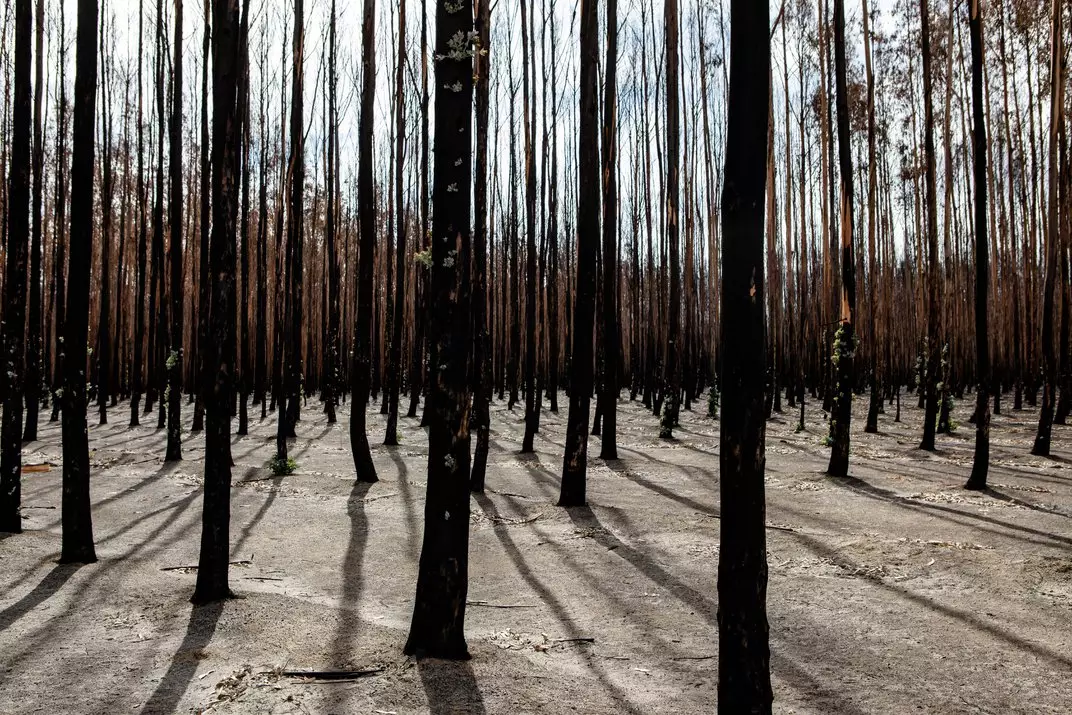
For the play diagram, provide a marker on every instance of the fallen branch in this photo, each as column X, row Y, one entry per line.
column 485, row 604
column 574, row 640
column 695, row 657
column 777, row 527
column 332, row 675
column 379, row 496
column 43, row 467
column 243, row 562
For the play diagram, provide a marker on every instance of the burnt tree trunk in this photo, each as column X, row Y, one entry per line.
column 77, row 519
column 437, row 629
column 366, row 207
column 845, row 339
column 178, row 294
column 981, row 462
column 482, row 382
column 18, row 236
column 217, row 379
column 611, row 341
column 744, row 684
column 575, row 459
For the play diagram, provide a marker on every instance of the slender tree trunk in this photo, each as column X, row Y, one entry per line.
column 33, row 337
column 77, row 520
column 871, row 425
column 178, row 294
column 289, row 402
column 845, row 340
column 744, row 684
column 361, row 372
column 672, row 368
column 217, row 380
column 437, row 629
column 142, row 241
column 330, row 378
column 394, row 368
column 981, row 461
column 18, row 238
column 933, row 351
column 203, row 247
column 611, row 339
column 1041, row 446
column 60, row 260
column 482, row 383
column 575, row 459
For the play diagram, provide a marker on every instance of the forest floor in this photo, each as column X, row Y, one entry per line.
column 893, row 591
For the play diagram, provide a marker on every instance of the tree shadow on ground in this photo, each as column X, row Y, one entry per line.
column 859, row 486
column 352, row 576
column 45, row 589
column 623, row 470
column 413, row 528
column 968, row 619
column 547, row 597
column 450, row 687
column 199, row 632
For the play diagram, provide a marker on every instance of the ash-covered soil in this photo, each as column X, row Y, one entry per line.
column 894, row 591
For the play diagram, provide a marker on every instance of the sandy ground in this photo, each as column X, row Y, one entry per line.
column 890, row 592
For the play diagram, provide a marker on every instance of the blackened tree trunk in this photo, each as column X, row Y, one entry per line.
column 18, row 236
column 575, row 459
column 33, row 328
column 981, row 461
column 217, row 379
column 178, row 294
column 59, row 264
column 243, row 168
column 157, row 314
column 611, row 357
column 138, row 368
column 871, row 425
column 744, row 684
column 204, row 227
column 482, row 383
column 934, row 333
column 394, row 366
column 361, row 372
column 103, row 353
column 437, row 629
column 844, row 347
column 77, row 520
column 289, row 403
column 329, row 377
column 421, row 278
column 672, row 369
column 1041, row 446
column 532, row 398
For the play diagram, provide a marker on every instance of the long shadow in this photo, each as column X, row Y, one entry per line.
column 113, row 569
column 412, row 527
column 352, row 576
column 142, row 484
column 180, row 672
column 1039, row 651
column 546, row 597
column 623, row 470
column 583, row 517
column 859, row 486
column 1009, row 499
column 45, row 589
column 310, row 442
column 273, row 492
column 450, row 687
